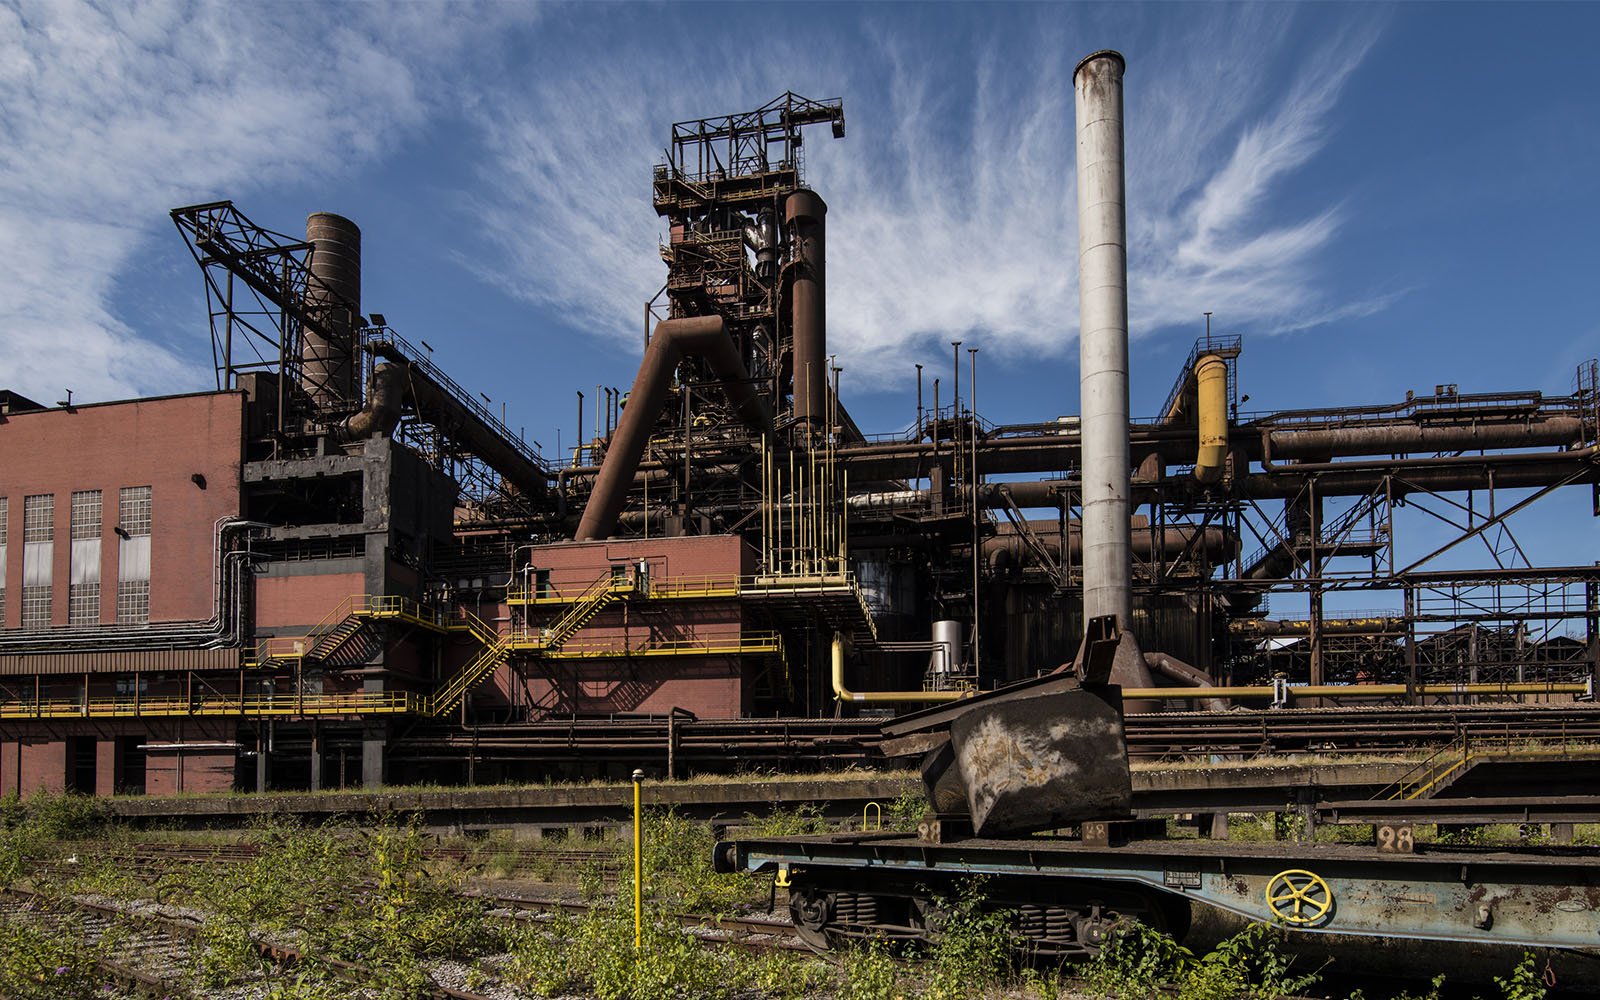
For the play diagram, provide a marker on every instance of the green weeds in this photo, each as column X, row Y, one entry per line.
column 678, row 869
column 1138, row 962
column 1524, row 982
column 48, row 963
column 801, row 821
column 335, row 894
column 594, row 953
column 868, row 973
column 973, row 949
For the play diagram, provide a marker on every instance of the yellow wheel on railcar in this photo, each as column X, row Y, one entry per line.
column 1299, row 897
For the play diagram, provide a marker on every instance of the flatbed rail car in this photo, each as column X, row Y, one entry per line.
column 1066, row 895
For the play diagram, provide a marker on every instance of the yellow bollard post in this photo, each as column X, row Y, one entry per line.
column 638, row 859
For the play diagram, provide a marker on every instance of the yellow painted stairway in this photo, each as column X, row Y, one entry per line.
column 601, row 593
column 488, row 659
column 329, row 642
column 1435, row 774
column 605, row 590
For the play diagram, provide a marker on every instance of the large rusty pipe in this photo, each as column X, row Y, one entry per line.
column 805, row 214
column 1270, row 455
column 333, row 295
column 1211, row 410
column 1215, row 543
column 1059, row 451
column 1406, row 436
column 673, row 340
column 1405, row 476
column 1103, row 337
column 1186, row 674
column 386, row 391
column 1356, row 478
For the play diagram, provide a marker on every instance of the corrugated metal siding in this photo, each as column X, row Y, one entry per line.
column 120, row 663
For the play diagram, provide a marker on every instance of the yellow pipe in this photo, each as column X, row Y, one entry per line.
column 638, row 859
column 1211, row 378
column 845, row 694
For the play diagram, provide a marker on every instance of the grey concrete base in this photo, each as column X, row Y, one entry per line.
column 374, row 747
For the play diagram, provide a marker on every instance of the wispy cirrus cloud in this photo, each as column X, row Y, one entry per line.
column 113, row 113
column 952, row 205
column 563, row 195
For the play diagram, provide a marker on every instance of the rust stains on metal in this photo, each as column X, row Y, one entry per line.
column 1042, row 762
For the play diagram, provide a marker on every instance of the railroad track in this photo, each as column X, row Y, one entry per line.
column 1158, row 734
column 157, row 857
column 750, row 933
column 155, row 952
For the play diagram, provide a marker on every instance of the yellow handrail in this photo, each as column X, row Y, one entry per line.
column 603, row 591
column 486, row 662
column 1433, row 770
column 253, row 705
column 746, row 643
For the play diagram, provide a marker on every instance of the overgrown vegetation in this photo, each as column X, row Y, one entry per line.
column 1139, row 962
column 40, row 962
column 27, row 826
column 974, row 947
column 678, row 870
column 1525, row 982
column 594, row 953
column 341, row 894
column 336, row 894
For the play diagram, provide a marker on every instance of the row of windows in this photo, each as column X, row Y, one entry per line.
column 39, row 514
column 83, row 592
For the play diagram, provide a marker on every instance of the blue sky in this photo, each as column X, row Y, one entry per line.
column 1379, row 198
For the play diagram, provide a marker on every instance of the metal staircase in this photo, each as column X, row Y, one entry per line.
column 324, row 639
column 1435, row 774
column 600, row 594
column 329, row 642
column 605, row 590
column 486, row 662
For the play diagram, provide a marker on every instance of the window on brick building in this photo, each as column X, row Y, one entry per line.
column 83, row 594
column 133, row 555
column 38, row 559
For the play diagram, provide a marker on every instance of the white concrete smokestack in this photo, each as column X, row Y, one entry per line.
column 1103, row 338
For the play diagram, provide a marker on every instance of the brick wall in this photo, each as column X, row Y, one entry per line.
column 169, row 772
column 299, row 602
column 26, row 765
column 709, row 686
column 107, row 764
column 161, row 443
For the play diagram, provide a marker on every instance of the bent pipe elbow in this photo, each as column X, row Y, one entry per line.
column 673, row 340
column 842, row 693
column 385, row 394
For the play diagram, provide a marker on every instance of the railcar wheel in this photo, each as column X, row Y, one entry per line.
column 929, row 917
column 810, row 910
